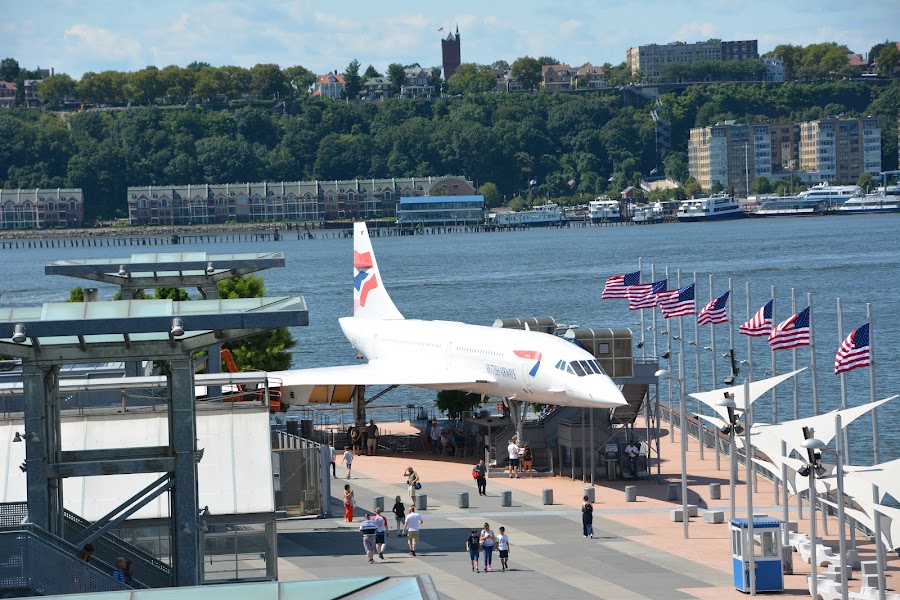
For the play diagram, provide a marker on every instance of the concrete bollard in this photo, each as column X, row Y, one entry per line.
column 506, row 498
column 630, row 493
column 547, row 496
column 589, row 492
column 715, row 491
column 422, row 502
column 379, row 503
column 672, row 491
column 463, row 500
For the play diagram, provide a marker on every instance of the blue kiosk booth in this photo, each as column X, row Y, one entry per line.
column 766, row 548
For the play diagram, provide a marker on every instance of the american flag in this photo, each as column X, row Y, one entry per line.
column 643, row 295
column 761, row 323
column 715, row 312
column 791, row 333
column 617, row 287
column 677, row 303
column 854, row 352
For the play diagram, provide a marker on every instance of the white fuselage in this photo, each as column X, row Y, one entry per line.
column 525, row 365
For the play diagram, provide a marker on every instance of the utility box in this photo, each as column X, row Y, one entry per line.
column 611, row 347
column 766, row 548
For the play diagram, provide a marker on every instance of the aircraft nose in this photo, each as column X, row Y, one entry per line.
column 607, row 391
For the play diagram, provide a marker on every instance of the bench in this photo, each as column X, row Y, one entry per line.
column 714, row 516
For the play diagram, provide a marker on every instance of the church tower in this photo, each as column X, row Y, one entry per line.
column 450, row 54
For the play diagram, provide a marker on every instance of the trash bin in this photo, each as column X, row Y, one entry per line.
column 463, row 500
column 589, row 492
column 422, row 502
column 630, row 493
column 672, row 491
column 506, row 498
column 379, row 503
column 715, row 491
column 547, row 496
column 766, row 548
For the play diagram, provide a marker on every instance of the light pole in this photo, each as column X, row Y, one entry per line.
column 664, row 374
column 732, row 428
column 811, row 469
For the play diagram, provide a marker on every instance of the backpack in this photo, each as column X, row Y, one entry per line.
column 476, row 472
column 527, row 455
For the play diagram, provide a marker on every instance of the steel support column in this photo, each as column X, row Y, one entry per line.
column 42, row 446
column 184, row 502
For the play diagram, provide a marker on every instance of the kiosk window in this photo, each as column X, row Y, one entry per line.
column 765, row 544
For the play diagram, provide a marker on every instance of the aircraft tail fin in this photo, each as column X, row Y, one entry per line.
column 370, row 299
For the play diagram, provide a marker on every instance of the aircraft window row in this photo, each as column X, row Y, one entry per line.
column 584, row 367
column 479, row 351
column 412, row 343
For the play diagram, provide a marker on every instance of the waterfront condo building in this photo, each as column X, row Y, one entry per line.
column 840, row 150
column 39, row 209
column 732, row 155
column 650, row 58
column 313, row 201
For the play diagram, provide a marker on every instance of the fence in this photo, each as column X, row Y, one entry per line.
column 302, row 474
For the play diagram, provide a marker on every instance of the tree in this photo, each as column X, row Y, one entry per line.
column 299, row 79
column 435, row 80
column 9, row 69
column 176, row 294
column 352, row 81
column 888, row 61
column 455, row 403
column 197, row 66
column 397, row 75
column 76, row 294
column 370, row 73
column 500, row 64
column 717, row 187
column 54, row 90
column 144, row 86
column 471, row 79
column 527, row 71
column 267, row 81
column 692, row 188
column 492, row 197
column 548, row 60
column 265, row 351
column 761, row 185
column 866, row 182
column 675, row 166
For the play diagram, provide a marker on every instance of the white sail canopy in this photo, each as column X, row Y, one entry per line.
column 757, row 389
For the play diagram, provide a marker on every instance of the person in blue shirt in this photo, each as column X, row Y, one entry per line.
column 119, row 573
column 472, row 545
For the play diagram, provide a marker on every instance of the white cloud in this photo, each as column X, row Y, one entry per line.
column 692, row 32
column 97, row 42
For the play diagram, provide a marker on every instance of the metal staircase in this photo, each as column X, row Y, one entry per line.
column 635, row 394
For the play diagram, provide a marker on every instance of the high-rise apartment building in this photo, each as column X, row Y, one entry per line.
column 732, row 155
column 840, row 150
column 650, row 58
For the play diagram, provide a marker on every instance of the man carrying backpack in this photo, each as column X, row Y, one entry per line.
column 479, row 473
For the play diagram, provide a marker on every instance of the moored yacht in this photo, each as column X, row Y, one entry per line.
column 834, row 195
column 791, row 206
column 870, row 203
column 605, row 210
column 538, row 216
column 716, row 207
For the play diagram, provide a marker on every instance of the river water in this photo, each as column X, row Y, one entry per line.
column 479, row 277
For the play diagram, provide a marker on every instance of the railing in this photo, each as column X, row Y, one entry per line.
column 32, row 560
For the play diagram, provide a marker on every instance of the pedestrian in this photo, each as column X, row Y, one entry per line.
column 434, row 433
column 85, row 553
column 355, row 434
column 412, row 483
column 412, row 524
column 371, row 438
column 349, row 503
column 399, row 515
column 382, row 533
column 513, row 453
column 333, row 461
column 527, row 460
column 368, row 529
column 348, row 460
column 472, row 545
column 119, row 573
column 632, row 452
column 587, row 518
column 503, row 549
column 481, row 470
column 129, row 573
column 487, row 546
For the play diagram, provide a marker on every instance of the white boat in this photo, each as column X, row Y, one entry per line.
column 870, row 203
column 834, row 195
column 539, row 216
column 605, row 210
column 717, row 207
column 791, row 206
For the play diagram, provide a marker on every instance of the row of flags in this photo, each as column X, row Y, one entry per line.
column 793, row 332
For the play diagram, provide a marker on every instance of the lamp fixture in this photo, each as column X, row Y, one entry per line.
column 665, row 355
column 177, row 327
column 18, row 437
column 198, row 454
column 210, row 269
column 692, row 343
column 640, row 344
column 728, row 380
column 122, row 271
column 18, row 335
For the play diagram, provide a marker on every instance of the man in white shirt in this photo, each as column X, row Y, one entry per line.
column 513, row 453
column 411, row 527
column 503, row 548
column 348, row 460
column 632, row 451
column 382, row 534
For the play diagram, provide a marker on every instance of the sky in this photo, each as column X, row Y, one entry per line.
column 75, row 36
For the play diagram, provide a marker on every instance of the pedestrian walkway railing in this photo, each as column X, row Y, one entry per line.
column 37, row 563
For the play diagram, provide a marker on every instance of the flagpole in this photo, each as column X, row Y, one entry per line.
column 641, row 280
column 715, row 380
column 812, row 357
column 680, row 335
column 669, row 347
column 697, row 353
column 875, row 450
column 794, row 357
column 774, row 366
column 653, row 323
column 749, row 374
column 840, row 323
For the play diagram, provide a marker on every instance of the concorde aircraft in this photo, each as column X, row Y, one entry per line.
column 526, row 366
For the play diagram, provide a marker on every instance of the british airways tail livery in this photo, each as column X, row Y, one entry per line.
column 527, row 366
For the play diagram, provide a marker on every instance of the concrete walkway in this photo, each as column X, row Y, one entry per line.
column 637, row 552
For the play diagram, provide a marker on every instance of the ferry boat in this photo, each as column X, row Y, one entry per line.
column 870, row 203
column 605, row 210
column 791, row 206
column 716, row 207
column 539, row 216
column 834, row 195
